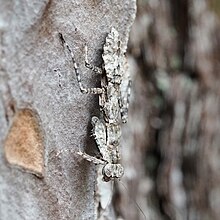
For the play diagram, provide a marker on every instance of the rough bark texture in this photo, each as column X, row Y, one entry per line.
column 174, row 122
column 37, row 76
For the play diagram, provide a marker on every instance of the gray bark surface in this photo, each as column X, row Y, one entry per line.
column 36, row 74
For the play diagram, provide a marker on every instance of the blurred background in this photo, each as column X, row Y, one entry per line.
column 173, row 155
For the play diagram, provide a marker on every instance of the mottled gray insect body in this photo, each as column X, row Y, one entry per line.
column 113, row 57
column 113, row 100
column 111, row 109
column 108, row 148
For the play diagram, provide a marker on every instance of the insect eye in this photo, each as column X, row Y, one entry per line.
column 115, row 143
column 119, row 171
column 107, row 170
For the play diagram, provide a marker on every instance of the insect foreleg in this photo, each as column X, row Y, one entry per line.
column 90, row 66
column 78, row 77
column 91, row 158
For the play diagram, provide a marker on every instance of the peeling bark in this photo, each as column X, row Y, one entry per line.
column 24, row 144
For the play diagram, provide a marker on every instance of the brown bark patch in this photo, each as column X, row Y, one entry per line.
column 24, row 143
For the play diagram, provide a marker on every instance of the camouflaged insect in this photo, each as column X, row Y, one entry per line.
column 113, row 100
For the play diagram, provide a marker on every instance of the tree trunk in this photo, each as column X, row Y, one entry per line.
column 170, row 145
column 43, row 116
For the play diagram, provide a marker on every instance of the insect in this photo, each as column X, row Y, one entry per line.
column 114, row 94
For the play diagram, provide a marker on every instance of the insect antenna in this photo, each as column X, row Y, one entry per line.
column 134, row 201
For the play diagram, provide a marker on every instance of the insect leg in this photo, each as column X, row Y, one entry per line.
column 99, row 133
column 82, row 89
column 124, row 102
column 91, row 158
column 90, row 66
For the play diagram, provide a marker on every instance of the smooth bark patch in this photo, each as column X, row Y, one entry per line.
column 24, row 143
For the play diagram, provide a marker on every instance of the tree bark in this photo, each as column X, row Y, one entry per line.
column 173, row 133
column 170, row 145
column 43, row 116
